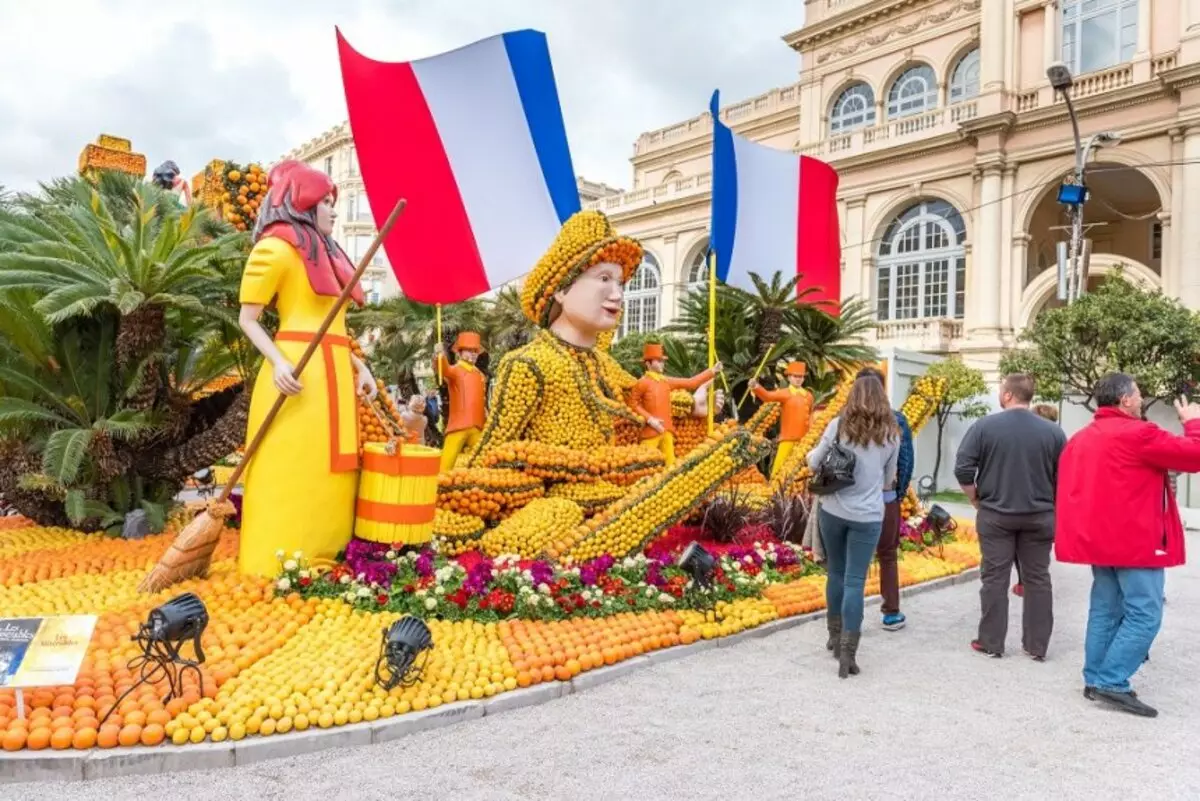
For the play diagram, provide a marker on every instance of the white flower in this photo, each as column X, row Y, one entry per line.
column 304, row 573
column 431, row 603
column 666, row 598
column 748, row 559
column 524, row 590
column 649, row 592
column 284, row 584
column 544, row 588
column 547, row 600
column 279, row 554
column 440, row 589
column 290, row 565
column 528, row 576
column 390, row 554
column 345, row 579
column 349, row 596
column 298, row 555
column 422, row 593
column 629, row 562
column 363, row 592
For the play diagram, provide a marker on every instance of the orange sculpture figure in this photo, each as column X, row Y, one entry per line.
column 796, row 403
column 468, row 388
column 651, row 399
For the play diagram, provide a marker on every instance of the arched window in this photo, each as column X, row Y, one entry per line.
column 696, row 271
column 642, row 296
column 854, row 108
column 913, row 92
column 673, row 175
column 922, row 270
column 964, row 80
column 1097, row 35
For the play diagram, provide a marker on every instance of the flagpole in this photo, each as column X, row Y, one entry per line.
column 438, row 307
column 757, row 370
column 712, row 332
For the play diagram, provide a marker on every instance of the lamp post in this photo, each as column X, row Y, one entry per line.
column 1074, row 194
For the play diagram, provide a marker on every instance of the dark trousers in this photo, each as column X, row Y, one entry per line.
column 889, row 570
column 1003, row 539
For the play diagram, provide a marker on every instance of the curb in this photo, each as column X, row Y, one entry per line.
column 36, row 766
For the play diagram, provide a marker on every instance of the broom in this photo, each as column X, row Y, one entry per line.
column 191, row 552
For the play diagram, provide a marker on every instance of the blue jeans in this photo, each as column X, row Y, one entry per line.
column 849, row 548
column 1123, row 620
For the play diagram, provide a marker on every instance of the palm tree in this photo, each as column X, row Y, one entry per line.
column 138, row 254
column 505, row 326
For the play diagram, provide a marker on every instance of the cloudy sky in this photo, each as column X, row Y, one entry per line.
column 250, row 80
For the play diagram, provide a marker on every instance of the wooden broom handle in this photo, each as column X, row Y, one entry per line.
column 309, row 351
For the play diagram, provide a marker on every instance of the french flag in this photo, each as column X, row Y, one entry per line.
column 773, row 212
column 475, row 140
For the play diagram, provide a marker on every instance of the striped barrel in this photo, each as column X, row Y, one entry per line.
column 397, row 494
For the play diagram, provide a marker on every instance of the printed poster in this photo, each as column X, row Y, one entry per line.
column 43, row 651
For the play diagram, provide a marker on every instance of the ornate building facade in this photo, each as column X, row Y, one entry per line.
column 950, row 145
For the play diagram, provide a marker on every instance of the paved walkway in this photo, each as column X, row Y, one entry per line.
column 769, row 718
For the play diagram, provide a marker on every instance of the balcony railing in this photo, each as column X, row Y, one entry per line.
column 893, row 132
column 672, row 190
column 776, row 100
column 931, row 334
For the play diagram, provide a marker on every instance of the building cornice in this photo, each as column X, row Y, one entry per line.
column 701, row 145
column 323, row 143
column 844, row 22
column 1133, row 95
column 1180, row 77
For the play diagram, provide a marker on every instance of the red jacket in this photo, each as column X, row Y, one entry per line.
column 1114, row 505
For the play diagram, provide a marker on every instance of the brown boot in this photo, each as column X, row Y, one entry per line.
column 847, row 666
column 834, row 643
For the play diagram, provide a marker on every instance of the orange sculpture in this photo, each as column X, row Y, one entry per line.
column 651, row 399
column 796, row 403
column 467, row 388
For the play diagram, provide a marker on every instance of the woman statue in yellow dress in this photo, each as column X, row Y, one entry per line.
column 300, row 486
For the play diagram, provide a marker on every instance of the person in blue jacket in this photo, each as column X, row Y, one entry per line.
column 889, row 539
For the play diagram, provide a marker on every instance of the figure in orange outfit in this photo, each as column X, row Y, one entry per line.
column 652, row 399
column 468, row 389
column 797, row 405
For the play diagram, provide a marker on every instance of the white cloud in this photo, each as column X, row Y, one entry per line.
column 242, row 80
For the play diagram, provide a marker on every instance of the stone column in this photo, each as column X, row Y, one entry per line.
column 984, row 283
column 1144, row 24
column 1172, row 266
column 1189, row 250
column 1189, row 42
column 993, row 44
column 1008, row 274
column 671, row 282
column 1050, row 23
column 855, row 279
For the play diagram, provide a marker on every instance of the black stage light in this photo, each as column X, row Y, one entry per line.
column 698, row 563
column 166, row 630
column 925, row 488
column 403, row 641
column 941, row 520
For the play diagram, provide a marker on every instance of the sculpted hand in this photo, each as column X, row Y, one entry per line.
column 284, row 381
column 717, row 368
column 656, row 424
column 754, row 383
column 366, row 383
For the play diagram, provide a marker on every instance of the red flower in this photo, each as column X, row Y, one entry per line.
column 382, row 599
column 304, row 582
column 459, row 598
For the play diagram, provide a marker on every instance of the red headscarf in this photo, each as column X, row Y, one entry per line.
column 295, row 191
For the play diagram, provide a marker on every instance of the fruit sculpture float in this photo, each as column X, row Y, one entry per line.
column 236, row 191
column 111, row 153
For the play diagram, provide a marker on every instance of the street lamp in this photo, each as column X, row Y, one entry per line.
column 1074, row 194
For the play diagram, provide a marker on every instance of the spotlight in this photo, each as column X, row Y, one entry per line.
column 941, row 520
column 924, row 489
column 1060, row 76
column 166, row 630
column 698, row 563
column 403, row 641
column 206, row 481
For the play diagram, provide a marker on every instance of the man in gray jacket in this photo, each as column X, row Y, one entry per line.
column 1007, row 465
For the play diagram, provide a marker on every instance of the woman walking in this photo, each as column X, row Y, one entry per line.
column 851, row 519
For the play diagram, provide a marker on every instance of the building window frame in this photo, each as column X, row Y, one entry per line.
column 914, row 91
column 641, row 310
column 1111, row 23
column 853, row 109
column 920, row 270
column 964, row 77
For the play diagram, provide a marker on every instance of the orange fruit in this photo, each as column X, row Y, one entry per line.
column 130, row 735
column 108, row 736
column 61, row 738
column 38, row 739
column 153, row 734
column 136, row 717
column 84, row 739
column 160, row 716
column 14, row 740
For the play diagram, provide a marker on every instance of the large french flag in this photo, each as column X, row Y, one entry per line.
column 773, row 212
column 475, row 140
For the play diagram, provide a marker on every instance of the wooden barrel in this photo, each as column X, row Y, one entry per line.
column 397, row 494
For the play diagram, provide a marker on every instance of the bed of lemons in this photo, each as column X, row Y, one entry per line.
column 280, row 664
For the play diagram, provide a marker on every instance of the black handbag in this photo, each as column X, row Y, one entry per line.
column 836, row 470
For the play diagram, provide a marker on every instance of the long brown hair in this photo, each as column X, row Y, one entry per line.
column 867, row 418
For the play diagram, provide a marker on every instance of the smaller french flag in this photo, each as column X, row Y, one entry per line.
column 773, row 212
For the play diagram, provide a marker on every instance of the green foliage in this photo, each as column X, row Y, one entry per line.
column 682, row 361
column 771, row 327
column 964, row 386
column 115, row 305
column 1120, row 327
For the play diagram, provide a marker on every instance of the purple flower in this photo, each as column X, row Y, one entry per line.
column 424, row 564
column 479, row 579
column 654, row 575
column 542, row 573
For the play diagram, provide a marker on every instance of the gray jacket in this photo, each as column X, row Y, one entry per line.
column 874, row 470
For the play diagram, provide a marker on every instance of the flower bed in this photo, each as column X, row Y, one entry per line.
column 301, row 655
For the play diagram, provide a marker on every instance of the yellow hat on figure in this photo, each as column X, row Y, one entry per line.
column 586, row 239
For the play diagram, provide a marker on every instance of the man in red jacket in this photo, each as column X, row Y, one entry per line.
column 1117, row 513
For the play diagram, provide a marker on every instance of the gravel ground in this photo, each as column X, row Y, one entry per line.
column 769, row 718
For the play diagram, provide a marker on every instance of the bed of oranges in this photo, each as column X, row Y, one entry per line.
column 276, row 663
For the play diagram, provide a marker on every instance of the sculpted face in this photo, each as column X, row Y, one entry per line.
column 468, row 356
column 796, row 380
column 326, row 215
column 416, row 404
column 655, row 365
column 590, row 306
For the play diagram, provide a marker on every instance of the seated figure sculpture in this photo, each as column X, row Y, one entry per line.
column 556, row 402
